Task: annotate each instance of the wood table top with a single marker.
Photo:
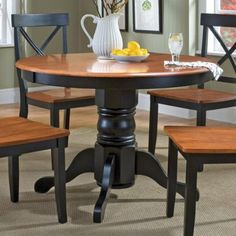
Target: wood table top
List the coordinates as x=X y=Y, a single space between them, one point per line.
x=87 y=65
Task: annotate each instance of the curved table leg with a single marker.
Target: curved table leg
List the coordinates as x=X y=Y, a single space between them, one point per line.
x=82 y=163
x=107 y=180
x=148 y=165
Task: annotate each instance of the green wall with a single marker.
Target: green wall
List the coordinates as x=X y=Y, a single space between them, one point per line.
x=175 y=18
x=86 y=7
x=76 y=39
x=7 y=68
x=178 y=16
x=72 y=7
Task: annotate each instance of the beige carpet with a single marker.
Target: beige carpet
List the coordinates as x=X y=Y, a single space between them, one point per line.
x=137 y=211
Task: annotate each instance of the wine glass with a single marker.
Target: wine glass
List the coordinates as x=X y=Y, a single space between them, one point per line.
x=175 y=43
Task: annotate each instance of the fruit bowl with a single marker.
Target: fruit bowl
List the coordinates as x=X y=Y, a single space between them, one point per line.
x=130 y=58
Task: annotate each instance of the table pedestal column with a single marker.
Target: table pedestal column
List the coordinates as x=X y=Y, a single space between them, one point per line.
x=116 y=126
x=115 y=147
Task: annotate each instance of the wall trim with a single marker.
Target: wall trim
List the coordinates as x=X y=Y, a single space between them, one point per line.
x=8 y=96
x=224 y=115
x=144 y=104
x=11 y=95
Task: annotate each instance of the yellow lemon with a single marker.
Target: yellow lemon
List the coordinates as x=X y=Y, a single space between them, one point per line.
x=126 y=50
x=115 y=51
x=132 y=50
x=136 y=53
x=122 y=53
x=144 y=51
x=133 y=45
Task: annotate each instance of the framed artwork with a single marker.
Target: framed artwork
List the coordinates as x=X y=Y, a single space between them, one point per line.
x=147 y=16
x=124 y=18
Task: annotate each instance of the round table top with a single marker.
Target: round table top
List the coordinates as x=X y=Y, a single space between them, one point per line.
x=85 y=70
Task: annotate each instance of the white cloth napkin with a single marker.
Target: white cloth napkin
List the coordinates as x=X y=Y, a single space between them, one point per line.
x=214 y=68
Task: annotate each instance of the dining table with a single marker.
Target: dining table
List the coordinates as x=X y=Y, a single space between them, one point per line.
x=115 y=158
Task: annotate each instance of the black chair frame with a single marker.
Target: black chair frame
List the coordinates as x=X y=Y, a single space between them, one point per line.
x=193 y=162
x=209 y=22
x=60 y=21
x=58 y=147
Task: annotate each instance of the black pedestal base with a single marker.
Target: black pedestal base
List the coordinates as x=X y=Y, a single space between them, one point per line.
x=145 y=164
x=108 y=177
x=82 y=163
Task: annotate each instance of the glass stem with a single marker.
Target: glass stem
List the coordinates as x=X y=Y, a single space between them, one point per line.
x=175 y=57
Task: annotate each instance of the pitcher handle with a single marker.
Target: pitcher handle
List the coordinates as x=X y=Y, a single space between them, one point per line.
x=84 y=29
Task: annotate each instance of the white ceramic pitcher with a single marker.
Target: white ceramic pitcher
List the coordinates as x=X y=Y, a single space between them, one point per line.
x=107 y=35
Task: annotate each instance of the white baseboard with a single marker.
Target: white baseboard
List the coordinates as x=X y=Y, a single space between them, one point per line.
x=144 y=104
x=8 y=96
x=225 y=115
x=12 y=95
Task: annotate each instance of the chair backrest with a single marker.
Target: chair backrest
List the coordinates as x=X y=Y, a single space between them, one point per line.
x=210 y=22
x=22 y=22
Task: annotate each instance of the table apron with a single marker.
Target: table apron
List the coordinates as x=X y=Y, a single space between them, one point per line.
x=117 y=83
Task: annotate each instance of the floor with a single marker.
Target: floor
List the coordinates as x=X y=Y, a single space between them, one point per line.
x=139 y=210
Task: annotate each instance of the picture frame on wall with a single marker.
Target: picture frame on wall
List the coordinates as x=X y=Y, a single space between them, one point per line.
x=147 y=16
x=124 y=18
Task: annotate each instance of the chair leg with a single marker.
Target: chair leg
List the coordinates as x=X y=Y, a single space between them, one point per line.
x=201 y=117
x=172 y=178
x=153 y=126
x=13 y=172
x=190 y=196
x=24 y=108
x=23 y=112
x=66 y=123
x=55 y=122
x=54 y=117
x=60 y=181
x=67 y=119
x=201 y=121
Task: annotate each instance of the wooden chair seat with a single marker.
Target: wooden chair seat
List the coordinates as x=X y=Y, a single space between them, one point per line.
x=18 y=136
x=194 y=95
x=198 y=146
x=17 y=131
x=203 y=139
x=61 y=95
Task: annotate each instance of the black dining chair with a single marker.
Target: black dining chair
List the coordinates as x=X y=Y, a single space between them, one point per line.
x=18 y=136
x=51 y=99
x=199 y=99
x=198 y=145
